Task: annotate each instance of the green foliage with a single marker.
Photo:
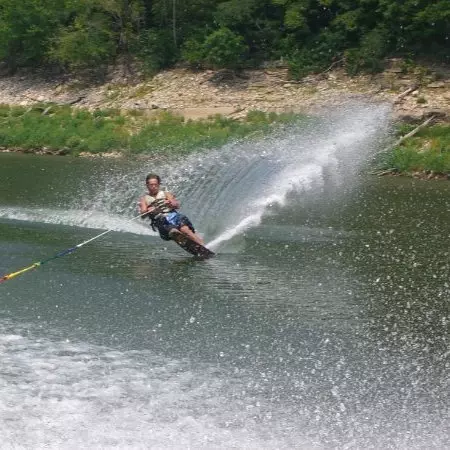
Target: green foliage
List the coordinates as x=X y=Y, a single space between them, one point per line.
x=316 y=55
x=100 y=30
x=220 y=49
x=428 y=150
x=305 y=61
x=259 y=22
x=181 y=19
x=404 y=159
x=408 y=160
x=126 y=17
x=222 y=33
x=26 y=27
x=193 y=52
x=294 y=18
x=223 y=48
x=349 y=20
x=171 y=134
x=84 y=44
x=255 y=116
x=77 y=130
x=369 y=55
x=155 y=48
x=421 y=26
x=404 y=128
x=233 y=12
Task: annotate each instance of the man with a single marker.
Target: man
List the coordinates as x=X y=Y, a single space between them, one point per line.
x=161 y=207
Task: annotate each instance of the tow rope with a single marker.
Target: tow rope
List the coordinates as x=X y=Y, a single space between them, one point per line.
x=58 y=255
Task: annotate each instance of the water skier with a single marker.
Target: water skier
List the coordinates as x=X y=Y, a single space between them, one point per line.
x=161 y=207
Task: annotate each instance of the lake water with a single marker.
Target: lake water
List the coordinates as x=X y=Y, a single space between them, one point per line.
x=322 y=323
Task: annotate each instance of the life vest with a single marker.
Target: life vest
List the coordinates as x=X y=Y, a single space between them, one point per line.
x=158 y=201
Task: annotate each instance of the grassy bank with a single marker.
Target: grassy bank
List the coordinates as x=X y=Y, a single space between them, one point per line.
x=66 y=130
x=426 y=153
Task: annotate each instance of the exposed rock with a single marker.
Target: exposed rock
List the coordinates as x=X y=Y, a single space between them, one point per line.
x=436 y=84
x=395 y=70
x=201 y=94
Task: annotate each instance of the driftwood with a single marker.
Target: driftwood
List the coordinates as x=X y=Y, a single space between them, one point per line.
x=72 y=102
x=335 y=63
x=405 y=93
x=236 y=111
x=69 y=102
x=408 y=135
x=46 y=111
x=383 y=172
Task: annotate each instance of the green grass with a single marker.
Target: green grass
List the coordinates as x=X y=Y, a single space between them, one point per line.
x=427 y=151
x=79 y=130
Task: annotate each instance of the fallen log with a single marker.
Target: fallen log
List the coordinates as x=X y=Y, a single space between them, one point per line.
x=408 y=135
x=405 y=93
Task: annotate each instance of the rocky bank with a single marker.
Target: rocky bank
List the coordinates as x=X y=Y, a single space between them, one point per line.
x=414 y=93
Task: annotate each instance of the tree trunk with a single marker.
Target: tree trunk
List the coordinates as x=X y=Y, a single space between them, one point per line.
x=174 y=22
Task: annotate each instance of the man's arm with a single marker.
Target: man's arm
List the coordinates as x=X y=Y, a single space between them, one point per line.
x=171 y=201
x=143 y=205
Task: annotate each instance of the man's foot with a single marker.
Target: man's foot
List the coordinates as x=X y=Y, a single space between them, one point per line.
x=173 y=232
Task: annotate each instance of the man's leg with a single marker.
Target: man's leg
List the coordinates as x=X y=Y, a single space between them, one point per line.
x=188 y=232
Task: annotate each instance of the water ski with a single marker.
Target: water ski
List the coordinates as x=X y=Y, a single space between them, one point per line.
x=190 y=246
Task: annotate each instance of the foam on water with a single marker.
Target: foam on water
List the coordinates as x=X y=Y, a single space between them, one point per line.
x=90 y=219
x=58 y=394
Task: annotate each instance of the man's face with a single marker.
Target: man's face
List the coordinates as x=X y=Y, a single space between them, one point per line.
x=153 y=186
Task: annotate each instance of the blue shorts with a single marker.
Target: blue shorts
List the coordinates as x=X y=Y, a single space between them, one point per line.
x=172 y=220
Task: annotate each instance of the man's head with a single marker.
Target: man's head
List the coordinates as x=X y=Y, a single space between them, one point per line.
x=152 y=181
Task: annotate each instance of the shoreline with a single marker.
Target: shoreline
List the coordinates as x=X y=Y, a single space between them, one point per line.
x=193 y=95
x=196 y=97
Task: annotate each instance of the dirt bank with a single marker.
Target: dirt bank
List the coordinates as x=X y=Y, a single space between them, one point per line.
x=414 y=94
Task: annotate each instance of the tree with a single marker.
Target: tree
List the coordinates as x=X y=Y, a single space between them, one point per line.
x=259 y=22
x=26 y=28
x=100 y=30
x=88 y=42
x=126 y=17
x=156 y=49
x=221 y=49
x=185 y=18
